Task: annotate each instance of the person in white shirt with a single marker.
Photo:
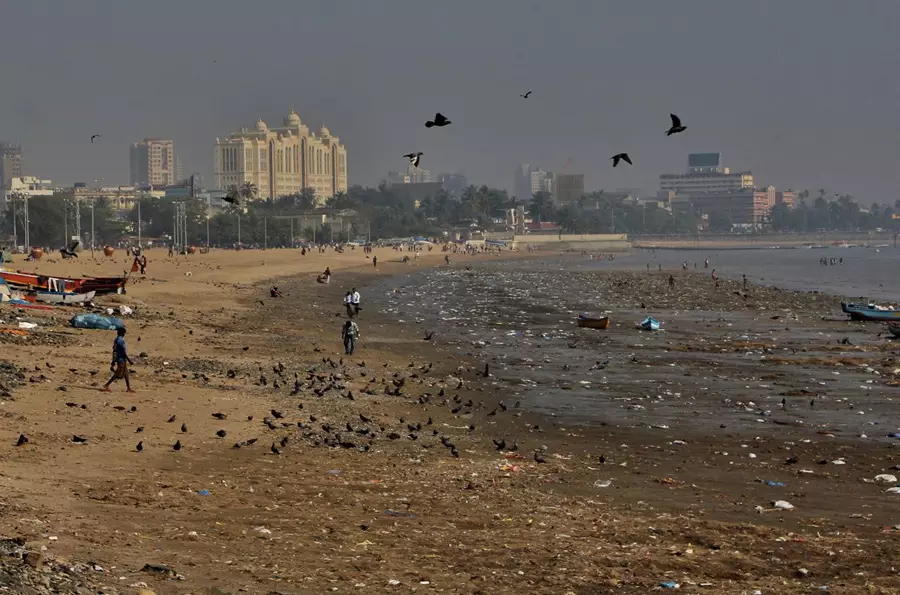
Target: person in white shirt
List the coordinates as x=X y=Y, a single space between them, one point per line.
x=348 y=303
x=355 y=301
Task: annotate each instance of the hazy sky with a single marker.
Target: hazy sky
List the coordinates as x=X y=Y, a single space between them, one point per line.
x=805 y=93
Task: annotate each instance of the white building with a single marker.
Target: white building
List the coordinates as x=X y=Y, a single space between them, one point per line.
x=28 y=186
x=529 y=180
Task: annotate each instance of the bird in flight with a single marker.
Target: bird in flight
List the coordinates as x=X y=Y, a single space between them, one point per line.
x=93 y=137
x=621 y=157
x=439 y=120
x=525 y=96
x=414 y=158
x=676 y=126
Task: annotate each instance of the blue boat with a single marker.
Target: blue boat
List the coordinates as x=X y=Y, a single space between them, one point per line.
x=869 y=312
x=650 y=324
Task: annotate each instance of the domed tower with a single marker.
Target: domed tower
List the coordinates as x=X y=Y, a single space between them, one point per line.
x=292 y=120
x=261 y=126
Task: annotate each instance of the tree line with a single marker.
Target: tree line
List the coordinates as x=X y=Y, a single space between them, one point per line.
x=384 y=212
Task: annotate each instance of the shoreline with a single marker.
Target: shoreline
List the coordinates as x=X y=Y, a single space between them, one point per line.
x=133 y=509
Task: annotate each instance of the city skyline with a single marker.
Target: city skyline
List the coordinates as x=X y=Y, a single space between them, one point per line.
x=774 y=125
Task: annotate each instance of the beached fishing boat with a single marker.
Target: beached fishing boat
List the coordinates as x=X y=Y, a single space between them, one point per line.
x=101 y=285
x=894 y=327
x=649 y=324
x=60 y=297
x=869 y=312
x=592 y=322
x=30 y=281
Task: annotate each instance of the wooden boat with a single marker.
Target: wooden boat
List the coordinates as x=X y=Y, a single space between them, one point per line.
x=894 y=327
x=649 y=324
x=591 y=322
x=60 y=297
x=30 y=281
x=869 y=312
x=101 y=285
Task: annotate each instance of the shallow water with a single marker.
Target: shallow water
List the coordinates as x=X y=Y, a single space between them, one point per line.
x=519 y=317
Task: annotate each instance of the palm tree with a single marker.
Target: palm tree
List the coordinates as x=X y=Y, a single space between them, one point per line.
x=248 y=191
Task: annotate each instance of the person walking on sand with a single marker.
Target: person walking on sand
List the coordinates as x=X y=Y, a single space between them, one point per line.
x=375 y=261
x=120 y=362
x=355 y=301
x=348 y=303
x=745 y=281
x=349 y=333
x=671 y=281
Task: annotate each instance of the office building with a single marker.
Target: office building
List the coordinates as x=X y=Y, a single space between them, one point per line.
x=786 y=198
x=529 y=180
x=10 y=164
x=27 y=186
x=705 y=174
x=282 y=161
x=568 y=188
x=153 y=162
x=454 y=184
x=742 y=207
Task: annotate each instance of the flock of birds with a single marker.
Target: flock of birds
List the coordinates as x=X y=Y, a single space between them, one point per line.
x=440 y=120
x=354 y=429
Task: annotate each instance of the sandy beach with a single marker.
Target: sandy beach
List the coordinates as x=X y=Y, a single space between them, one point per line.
x=404 y=469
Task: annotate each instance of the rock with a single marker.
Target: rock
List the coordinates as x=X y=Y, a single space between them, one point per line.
x=145 y=592
x=886 y=478
x=34 y=559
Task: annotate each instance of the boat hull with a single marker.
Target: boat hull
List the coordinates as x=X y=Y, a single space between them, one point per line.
x=61 y=297
x=649 y=324
x=99 y=285
x=869 y=313
x=587 y=322
x=894 y=328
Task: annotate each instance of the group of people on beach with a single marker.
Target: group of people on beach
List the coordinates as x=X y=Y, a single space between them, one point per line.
x=350 y=330
x=830 y=261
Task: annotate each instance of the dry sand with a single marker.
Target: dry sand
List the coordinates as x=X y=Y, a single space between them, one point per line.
x=403 y=516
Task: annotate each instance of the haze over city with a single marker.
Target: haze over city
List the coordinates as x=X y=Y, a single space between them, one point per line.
x=802 y=93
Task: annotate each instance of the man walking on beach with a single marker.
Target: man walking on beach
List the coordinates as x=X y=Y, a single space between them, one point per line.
x=120 y=362
x=349 y=333
x=355 y=302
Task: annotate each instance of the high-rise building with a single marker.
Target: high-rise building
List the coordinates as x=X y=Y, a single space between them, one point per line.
x=153 y=162
x=568 y=188
x=454 y=184
x=179 y=170
x=10 y=164
x=529 y=180
x=282 y=161
x=705 y=173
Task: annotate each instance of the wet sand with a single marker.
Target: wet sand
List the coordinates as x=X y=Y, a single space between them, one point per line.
x=347 y=509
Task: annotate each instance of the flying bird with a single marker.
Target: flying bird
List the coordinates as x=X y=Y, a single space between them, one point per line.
x=439 y=120
x=414 y=158
x=93 y=136
x=525 y=96
x=676 y=126
x=621 y=157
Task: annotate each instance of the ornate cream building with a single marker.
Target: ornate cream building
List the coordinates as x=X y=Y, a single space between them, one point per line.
x=282 y=161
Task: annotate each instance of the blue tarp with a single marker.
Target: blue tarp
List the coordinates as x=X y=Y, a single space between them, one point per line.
x=96 y=321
